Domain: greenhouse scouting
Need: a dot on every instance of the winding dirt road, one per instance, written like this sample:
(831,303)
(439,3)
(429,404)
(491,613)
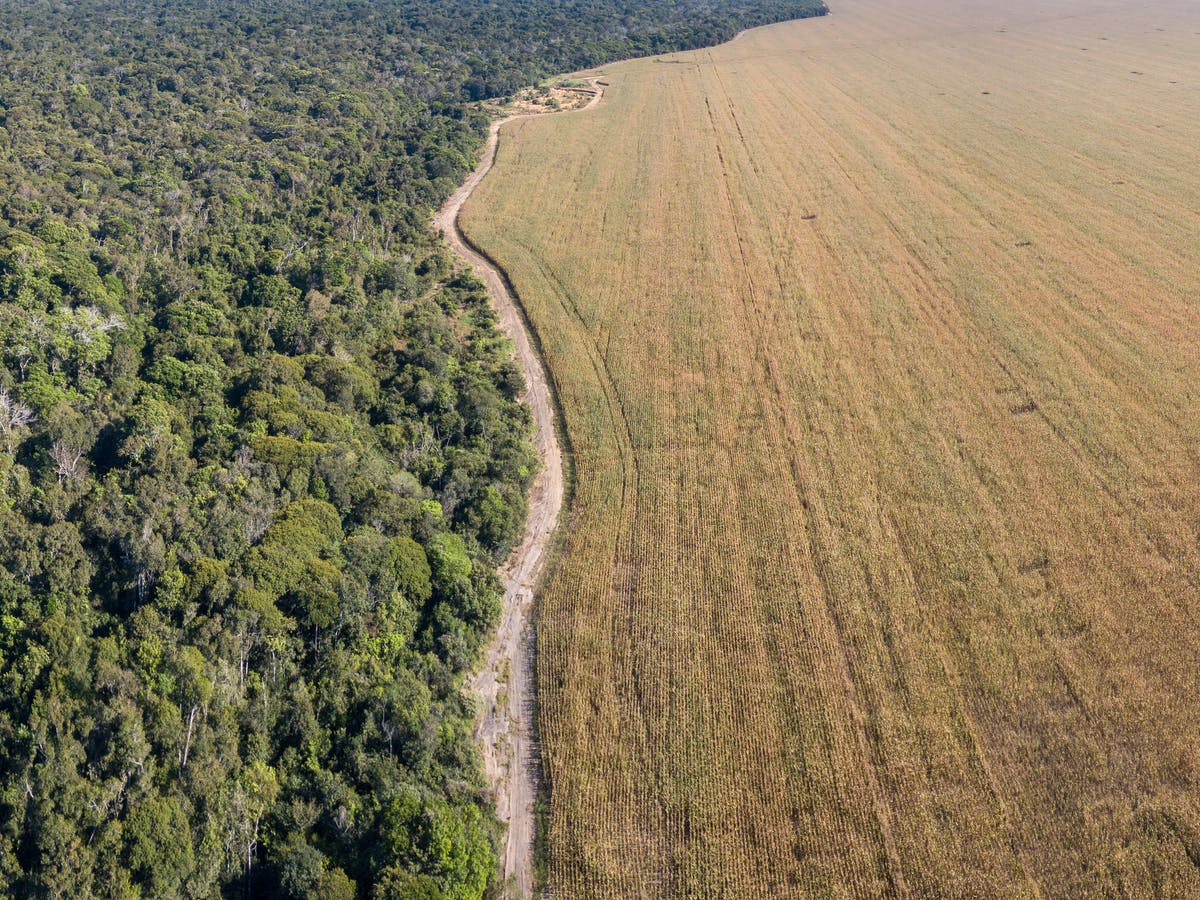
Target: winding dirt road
(505,681)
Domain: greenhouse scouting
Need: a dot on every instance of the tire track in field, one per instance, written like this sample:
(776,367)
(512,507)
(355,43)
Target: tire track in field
(853,695)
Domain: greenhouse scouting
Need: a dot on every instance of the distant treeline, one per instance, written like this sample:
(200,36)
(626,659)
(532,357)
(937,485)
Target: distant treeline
(260,448)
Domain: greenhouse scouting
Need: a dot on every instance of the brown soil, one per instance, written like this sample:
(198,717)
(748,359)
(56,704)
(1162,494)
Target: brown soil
(542,100)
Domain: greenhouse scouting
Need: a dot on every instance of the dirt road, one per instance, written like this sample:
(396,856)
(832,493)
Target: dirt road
(504,683)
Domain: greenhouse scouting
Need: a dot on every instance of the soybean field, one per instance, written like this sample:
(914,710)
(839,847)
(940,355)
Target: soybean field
(877,344)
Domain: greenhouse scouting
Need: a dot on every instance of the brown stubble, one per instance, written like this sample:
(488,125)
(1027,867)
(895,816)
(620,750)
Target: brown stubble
(882,391)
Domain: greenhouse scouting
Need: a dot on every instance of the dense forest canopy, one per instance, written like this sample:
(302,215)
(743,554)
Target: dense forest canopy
(260,445)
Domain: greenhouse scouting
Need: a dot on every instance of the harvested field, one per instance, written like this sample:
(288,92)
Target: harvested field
(878,344)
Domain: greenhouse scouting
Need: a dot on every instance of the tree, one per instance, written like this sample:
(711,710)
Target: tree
(14,417)
(159,846)
(194,690)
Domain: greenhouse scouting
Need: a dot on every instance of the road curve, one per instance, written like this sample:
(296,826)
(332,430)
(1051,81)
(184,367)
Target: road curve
(504,682)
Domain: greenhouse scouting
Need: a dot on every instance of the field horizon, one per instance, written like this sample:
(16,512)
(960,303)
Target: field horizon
(875,337)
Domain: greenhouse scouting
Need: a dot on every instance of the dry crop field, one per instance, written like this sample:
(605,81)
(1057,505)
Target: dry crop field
(878,343)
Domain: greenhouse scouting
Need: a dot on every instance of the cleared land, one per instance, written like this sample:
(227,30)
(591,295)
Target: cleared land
(878,344)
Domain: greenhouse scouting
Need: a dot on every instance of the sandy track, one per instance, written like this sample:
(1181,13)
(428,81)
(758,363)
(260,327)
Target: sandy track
(504,683)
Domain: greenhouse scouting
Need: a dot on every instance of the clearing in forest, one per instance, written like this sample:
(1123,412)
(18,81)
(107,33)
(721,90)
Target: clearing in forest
(878,345)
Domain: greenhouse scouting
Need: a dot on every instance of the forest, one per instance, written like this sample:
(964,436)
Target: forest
(260,443)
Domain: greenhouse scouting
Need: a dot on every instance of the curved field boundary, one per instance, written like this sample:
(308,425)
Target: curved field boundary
(504,683)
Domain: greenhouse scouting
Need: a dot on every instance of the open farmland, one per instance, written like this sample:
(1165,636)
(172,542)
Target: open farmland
(877,339)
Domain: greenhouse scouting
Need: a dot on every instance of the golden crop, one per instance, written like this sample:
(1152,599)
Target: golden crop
(878,344)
